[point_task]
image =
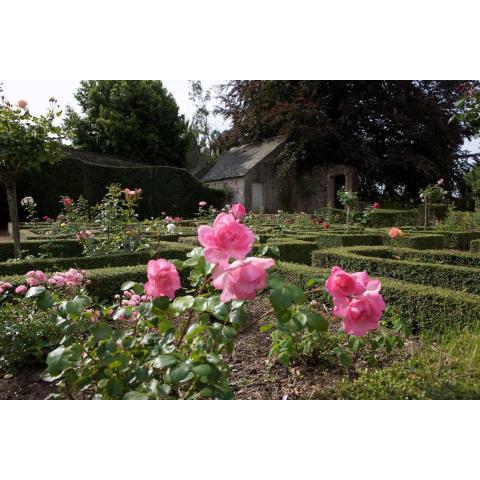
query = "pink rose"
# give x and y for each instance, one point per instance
(227, 238)
(22, 104)
(5, 286)
(66, 201)
(342, 284)
(35, 277)
(46, 218)
(163, 279)
(202, 204)
(326, 226)
(361, 313)
(242, 279)
(395, 232)
(21, 289)
(238, 211)
(376, 205)
(84, 234)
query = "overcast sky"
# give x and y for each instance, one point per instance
(37, 93)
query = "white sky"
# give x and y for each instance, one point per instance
(37, 93)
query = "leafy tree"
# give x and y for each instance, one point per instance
(200, 126)
(133, 119)
(395, 132)
(26, 142)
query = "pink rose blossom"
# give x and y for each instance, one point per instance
(5, 286)
(227, 238)
(202, 204)
(238, 211)
(163, 279)
(361, 313)
(341, 284)
(66, 201)
(242, 279)
(35, 277)
(46, 218)
(22, 104)
(376, 205)
(84, 234)
(395, 232)
(21, 289)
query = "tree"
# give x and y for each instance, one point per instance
(200, 126)
(395, 132)
(26, 142)
(136, 120)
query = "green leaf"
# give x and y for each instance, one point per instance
(200, 304)
(114, 387)
(181, 304)
(203, 370)
(191, 262)
(82, 301)
(178, 372)
(102, 330)
(275, 281)
(282, 298)
(194, 330)
(161, 302)
(138, 288)
(35, 291)
(345, 359)
(238, 318)
(316, 321)
(163, 361)
(46, 300)
(135, 396)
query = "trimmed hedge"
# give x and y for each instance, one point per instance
(393, 218)
(459, 240)
(419, 242)
(329, 240)
(59, 248)
(457, 278)
(475, 246)
(295, 251)
(446, 257)
(424, 307)
(167, 250)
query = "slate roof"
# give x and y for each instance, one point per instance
(238, 161)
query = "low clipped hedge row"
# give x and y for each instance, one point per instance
(296, 251)
(447, 257)
(57, 248)
(425, 307)
(419, 242)
(166, 250)
(475, 246)
(390, 218)
(457, 278)
(459, 240)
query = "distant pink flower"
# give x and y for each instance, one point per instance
(227, 238)
(163, 279)
(46, 218)
(326, 226)
(238, 211)
(376, 205)
(21, 289)
(66, 201)
(4, 286)
(202, 204)
(35, 277)
(361, 313)
(84, 234)
(22, 104)
(394, 232)
(242, 279)
(132, 193)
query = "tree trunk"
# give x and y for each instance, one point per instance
(11, 188)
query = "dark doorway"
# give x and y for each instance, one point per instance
(339, 183)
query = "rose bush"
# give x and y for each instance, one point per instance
(168, 337)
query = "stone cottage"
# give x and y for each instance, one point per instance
(249, 175)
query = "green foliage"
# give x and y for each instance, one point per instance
(358, 259)
(445, 368)
(329, 240)
(383, 217)
(58, 248)
(475, 246)
(296, 251)
(133, 119)
(425, 307)
(419, 242)
(26, 336)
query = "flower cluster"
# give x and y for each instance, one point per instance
(131, 299)
(357, 299)
(132, 194)
(71, 280)
(227, 239)
(84, 234)
(28, 202)
(4, 286)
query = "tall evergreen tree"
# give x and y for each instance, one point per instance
(133, 119)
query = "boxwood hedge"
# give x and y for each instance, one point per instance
(458, 278)
(425, 307)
